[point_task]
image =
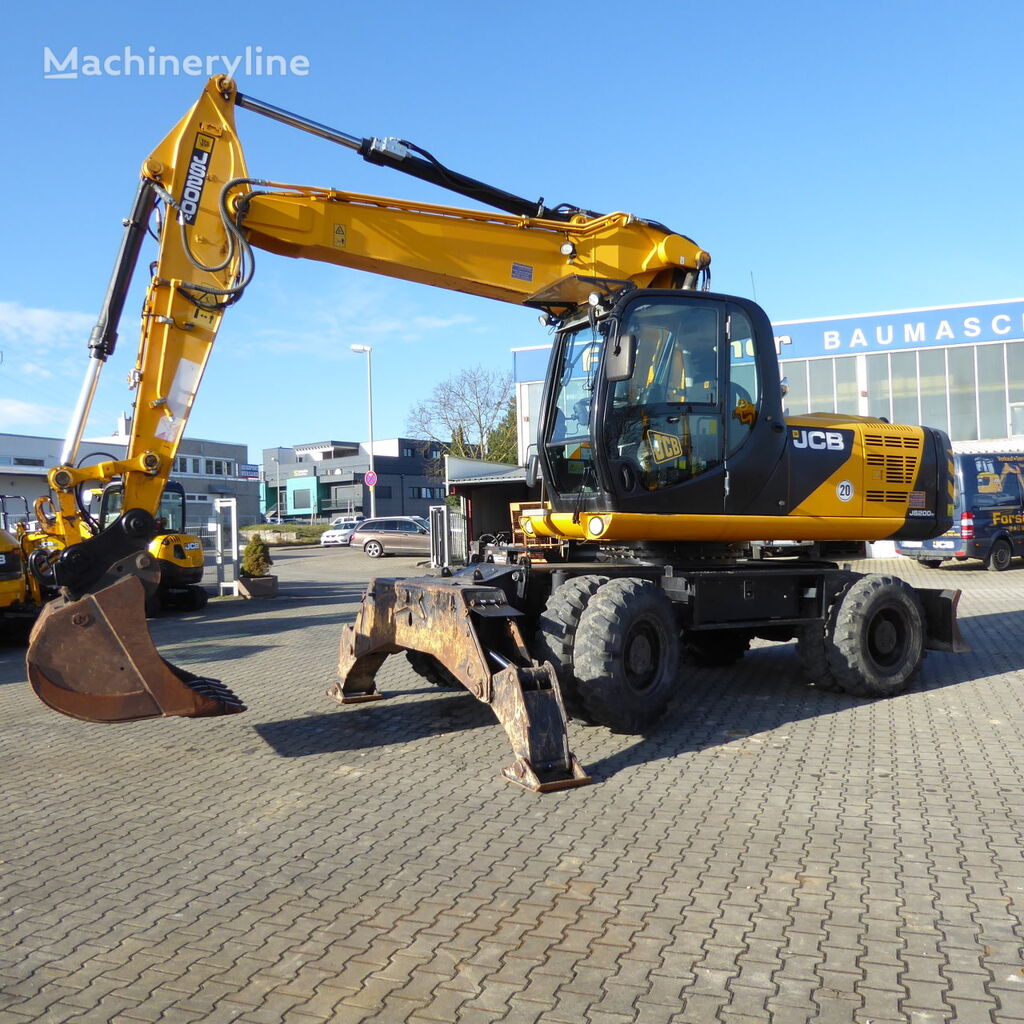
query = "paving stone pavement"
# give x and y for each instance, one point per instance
(769, 852)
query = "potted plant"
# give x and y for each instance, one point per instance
(255, 578)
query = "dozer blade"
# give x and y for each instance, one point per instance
(94, 659)
(470, 628)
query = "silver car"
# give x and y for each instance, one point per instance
(395, 535)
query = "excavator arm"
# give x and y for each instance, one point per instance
(90, 655)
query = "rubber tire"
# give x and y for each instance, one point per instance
(931, 563)
(874, 613)
(627, 619)
(714, 648)
(1000, 556)
(427, 666)
(199, 599)
(374, 548)
(555, 639)
(813, 641)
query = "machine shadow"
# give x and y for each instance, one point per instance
(763, 692)
(378, 723)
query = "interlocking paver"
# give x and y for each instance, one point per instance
(769, 852)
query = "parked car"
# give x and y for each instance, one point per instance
(396, 535)
(341, 535)
(273, 519)
(988, 514)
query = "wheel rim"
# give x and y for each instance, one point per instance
(887, 638)
(1001, 555)
(642, 655)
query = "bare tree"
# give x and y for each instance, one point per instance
(470, 415)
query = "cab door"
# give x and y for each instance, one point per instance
(692, 429)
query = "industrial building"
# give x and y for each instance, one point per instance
(206, 469)
(327, 478)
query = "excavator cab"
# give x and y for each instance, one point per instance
(170, 516)
(669, 401)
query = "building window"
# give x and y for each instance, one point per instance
(931, 365)
(197, 497)
(795, 373)
(28, 462)
(301, 497)
(822, 386)
(847, 396)
(426, 492)
(963, 394)
(879, 405)
(407, 453)
(991, 391)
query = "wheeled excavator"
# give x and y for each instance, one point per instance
(662, 450)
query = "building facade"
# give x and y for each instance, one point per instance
(960, 368)
(206, 469)
(324, 479)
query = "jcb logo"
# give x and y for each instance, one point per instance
(664, 447)
(819, 440)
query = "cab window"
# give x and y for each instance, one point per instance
(744, 392)
(664, 420)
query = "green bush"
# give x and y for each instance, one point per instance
(256, 560)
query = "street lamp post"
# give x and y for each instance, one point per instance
(368, 349)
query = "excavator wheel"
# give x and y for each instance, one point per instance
(626, 655)
(556, 635)
(877, 642)
(93, 659)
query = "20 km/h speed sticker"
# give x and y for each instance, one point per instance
(844, 490)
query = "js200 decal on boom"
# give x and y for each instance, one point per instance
(663, 450)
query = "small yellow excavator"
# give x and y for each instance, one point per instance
(179, 554)
(22, 593)
(663, 450)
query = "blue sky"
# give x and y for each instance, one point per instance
(832, 158)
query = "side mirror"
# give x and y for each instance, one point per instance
(620, 357)
(532, 470)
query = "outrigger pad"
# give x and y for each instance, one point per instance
(94, 659)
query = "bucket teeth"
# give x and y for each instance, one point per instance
(216, 690)
(213, 689)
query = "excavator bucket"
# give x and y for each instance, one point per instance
(94, 659)
(468, 627)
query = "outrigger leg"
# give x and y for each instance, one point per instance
(472, 631)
